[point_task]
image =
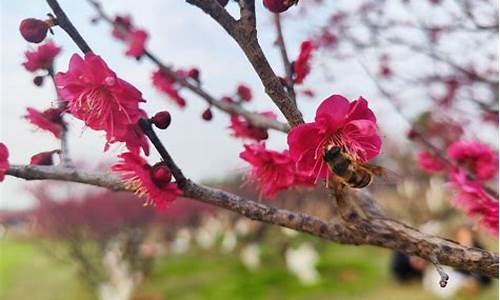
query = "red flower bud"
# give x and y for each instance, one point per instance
(244, 92)
(161, 119)
(43, 158)
(278, 6)
(160, 174)
(207, 115)
(34, 30)
(38, 80)
(194, 73)
(412, 134)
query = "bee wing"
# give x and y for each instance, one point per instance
(383, 176)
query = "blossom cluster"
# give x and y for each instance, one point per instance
(103, 101)
(42, 58)
(273, 171)
(4, 161)
(469, 166)
(124, 30)
(301, 66)
(152, 181)
(350, 125)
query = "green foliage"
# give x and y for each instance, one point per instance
(348, 272)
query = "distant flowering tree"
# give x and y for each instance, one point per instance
(102, 233)
(89, 90)
(447, 100)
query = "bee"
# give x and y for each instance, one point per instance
(349, 172)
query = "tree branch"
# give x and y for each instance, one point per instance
(255, 119)
(244, 33)
(287, 65)
(64, 22)
(376, 231)
(61, 104)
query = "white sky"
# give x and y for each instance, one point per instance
(179, 34)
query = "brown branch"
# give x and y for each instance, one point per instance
(64, 22)
(62, 173)
(231, 108)
(376, 231)
(244, 33)
(148, 130)
(61, 104)
(255, 119)
(287, 65)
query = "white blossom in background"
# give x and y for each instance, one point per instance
(206, 235)
(229, 241)
(182, 241)
(408, 188)
(250, 256)
(302, 263)
(431, 227)
(242, 227)
(289, 232)
(121, 282)
(435, 196)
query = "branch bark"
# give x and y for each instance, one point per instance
(255, 119)
(349, 228)
(64, 22)
(377, 231)
(244, 32)
(287, 65)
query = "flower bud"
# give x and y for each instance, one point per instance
(412, 134)
(43, 158)
(244, 92)
(207, 115)
(194, 73)
(278, 6)
(38, 80)
(161, 119)
(34, 30)
(160, 174)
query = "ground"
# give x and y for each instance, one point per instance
(348, 272)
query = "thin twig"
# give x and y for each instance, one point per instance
(381, 232)
(243, 31)
(255, 119)
(148, 130)
(64, 22)
(444, 276)
(61, 104)
(287, 65)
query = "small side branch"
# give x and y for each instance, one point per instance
(381, 232)
(255, 119)
(244, 33)
(287, 65)
(64, 22)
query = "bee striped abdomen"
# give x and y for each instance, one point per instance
(358, 179)
(347, 172)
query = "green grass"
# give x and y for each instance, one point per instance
(348, 272)
(28, 273)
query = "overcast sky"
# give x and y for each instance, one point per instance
(182, 35)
